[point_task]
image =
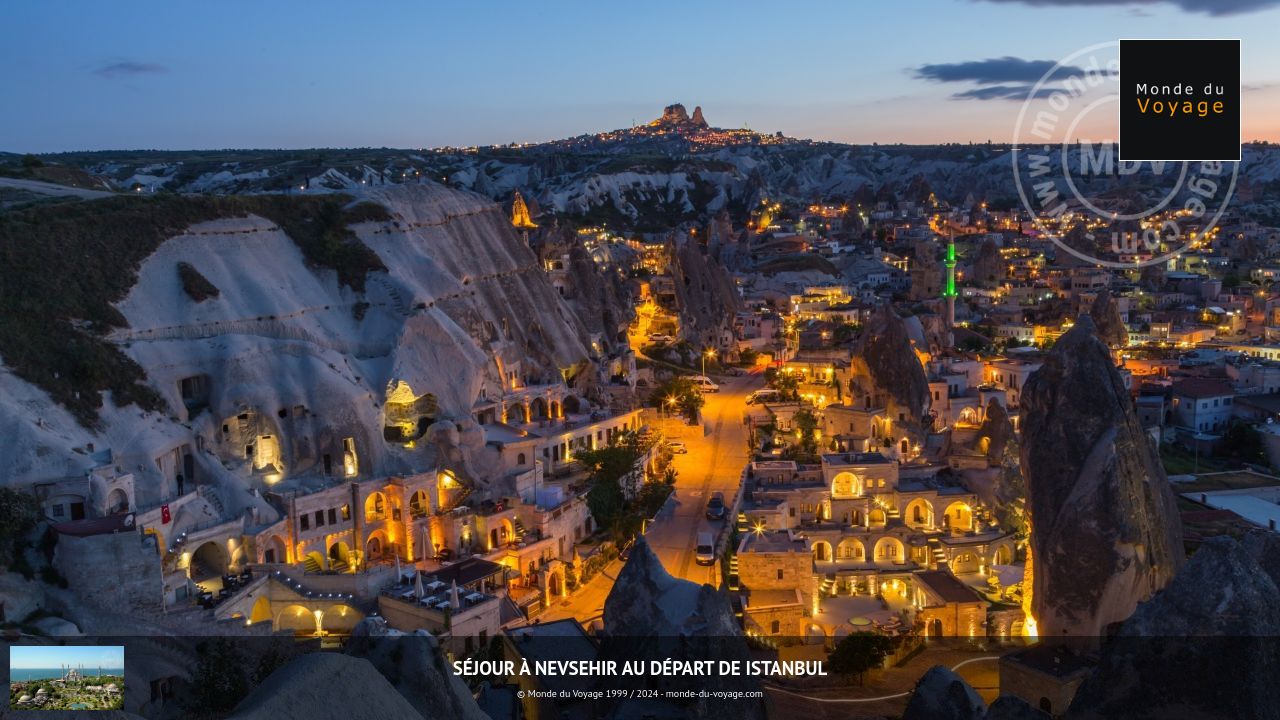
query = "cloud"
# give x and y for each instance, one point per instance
(1208, 7)
(1004, 78)
(996, 70)
(1001, 92)
(993, 70)
(121, 68)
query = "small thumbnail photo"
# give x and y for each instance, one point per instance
(66, 677)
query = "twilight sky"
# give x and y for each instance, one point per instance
(84, 75)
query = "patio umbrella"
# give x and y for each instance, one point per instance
(417, 585)
(453, 595)
(399, 577)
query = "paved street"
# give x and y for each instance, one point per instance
(717, 454)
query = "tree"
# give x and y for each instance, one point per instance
(787, 384)
(19, 512)
(857, 653)
(679, 393)
(219, 683)
(1243, 443)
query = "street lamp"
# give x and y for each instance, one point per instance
(710, 353)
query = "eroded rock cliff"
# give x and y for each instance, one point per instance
(650, 615)
(1207, 646)
(1105, 530)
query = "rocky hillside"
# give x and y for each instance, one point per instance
(322, 316)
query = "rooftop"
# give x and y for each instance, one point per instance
(466, 571)
(1202, 388)
(944, 585)
(867, 458)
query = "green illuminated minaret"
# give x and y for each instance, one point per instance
(950, 292)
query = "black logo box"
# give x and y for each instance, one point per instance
(1185, 64)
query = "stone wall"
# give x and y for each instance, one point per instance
(117, 571)
(759, 570)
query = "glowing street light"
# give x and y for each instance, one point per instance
(710, 353)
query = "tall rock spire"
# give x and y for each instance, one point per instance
(1105, 530)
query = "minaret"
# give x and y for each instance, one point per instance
(950, 292)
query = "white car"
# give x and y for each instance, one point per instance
(660, 338)
(766, 395)
(703, 383)
(677, 447)
(706, 550)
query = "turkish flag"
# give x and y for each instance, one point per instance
(164, 514)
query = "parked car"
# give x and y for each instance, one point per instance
(706, 549)
(659, 338)
(765, 395)
(703, 383)
(715, 507)
(676, 447)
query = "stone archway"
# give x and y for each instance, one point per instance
(850, 549)
(845, 485)
(959, 516)
(822, 551)
(876, 518)
(261, 611)
(934, 628)
(340, 619)
(376, 545)
(209, 561)
(339, 556)
(297, 619)
(117, 501)
(538, 409)
(889, 549)
(1003, 555)
(419, 504)
(275, 551)
(375, 507)
(814, 634)
(919, 514)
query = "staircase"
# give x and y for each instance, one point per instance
(518, 530)
(311, 565)
(828, 588)
(938, 555)
(210, 496)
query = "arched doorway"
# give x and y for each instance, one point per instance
(375, 507)
(1003, 555)
(935, 628)
(208, 562)
(275, 551)
(845, 484)
(419, 505)
(117, 501)
(959, 516)
(822, 551)
(297, 619)
(376, 545)
(572, 404)
(340, 619)
(850, 549)
(538, 409)
(814, 635)
(889, 549)
(919, 514)
(261, 611)
(339, 556)
(876, 518)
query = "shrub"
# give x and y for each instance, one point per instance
(197, 286)
(52, 333)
